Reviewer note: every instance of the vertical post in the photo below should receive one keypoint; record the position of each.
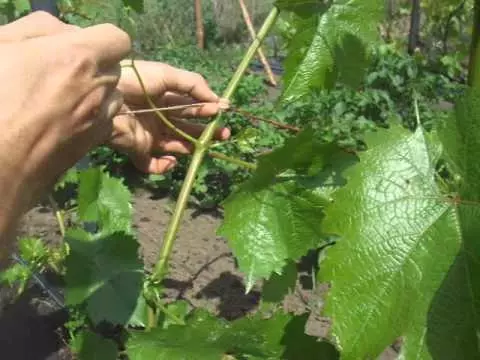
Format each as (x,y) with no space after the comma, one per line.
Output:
(414,34)
(199,24)
(49,6)
(253,35)
(474,65)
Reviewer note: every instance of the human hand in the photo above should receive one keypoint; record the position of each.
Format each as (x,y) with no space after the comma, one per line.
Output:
(144,137)
(59,102)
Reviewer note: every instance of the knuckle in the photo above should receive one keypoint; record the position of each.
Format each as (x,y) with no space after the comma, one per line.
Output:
(121,35)
(198,78)
(41,15)
(80,59)
(45,20)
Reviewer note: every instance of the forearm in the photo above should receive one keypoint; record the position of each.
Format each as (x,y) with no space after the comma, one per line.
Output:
(13,204)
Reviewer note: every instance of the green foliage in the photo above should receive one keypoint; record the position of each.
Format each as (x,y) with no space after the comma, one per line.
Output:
(275,288)
(96,347)
(397,224)
(413,236)
(13,9)
(285,198)
(104,272)
(36,258)
(389,217)
(321,49)
(137,5)
(16,275)
(206,337)
(104,200)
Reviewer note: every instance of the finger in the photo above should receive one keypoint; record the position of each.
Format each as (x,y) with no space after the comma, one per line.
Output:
(153,165)
(110,77)
(188,83)
(173,99)
(108,43)
(94,103)
(196,130)
(109,108)
(36,24)
(174,146)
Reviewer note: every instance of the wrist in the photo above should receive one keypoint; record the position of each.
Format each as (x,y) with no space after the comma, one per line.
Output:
(13,204)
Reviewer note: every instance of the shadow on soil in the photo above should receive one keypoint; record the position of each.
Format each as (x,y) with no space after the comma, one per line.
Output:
(31,328)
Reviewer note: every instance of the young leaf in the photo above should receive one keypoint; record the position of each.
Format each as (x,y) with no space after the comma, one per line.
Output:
(329,44)
(70,177)
(104,200)
(391,271)
(95,347)
(105,272)
(208,338)
(179,310)
(33,250)
(272,219)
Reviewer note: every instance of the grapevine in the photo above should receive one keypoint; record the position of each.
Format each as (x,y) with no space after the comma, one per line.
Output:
(395,226)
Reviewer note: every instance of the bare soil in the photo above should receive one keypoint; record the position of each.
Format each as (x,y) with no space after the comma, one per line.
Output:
(203,272)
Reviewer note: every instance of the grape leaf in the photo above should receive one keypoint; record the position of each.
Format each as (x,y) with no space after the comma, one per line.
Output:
(179,310)
(104,200)
(104,271)
(208,338)
(278,286)
(70,177)
(396,266)
(95,347)
(301,7)
(271,219)
(329,45)
(139,316)
(33,250)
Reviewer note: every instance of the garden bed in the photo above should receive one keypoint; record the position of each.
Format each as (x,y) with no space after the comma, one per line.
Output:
(203,272)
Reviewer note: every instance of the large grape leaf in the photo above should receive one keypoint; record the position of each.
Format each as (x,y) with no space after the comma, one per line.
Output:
(104,272)
(403,267)
(274,218)
(208,338)
(104,200)
(329,44)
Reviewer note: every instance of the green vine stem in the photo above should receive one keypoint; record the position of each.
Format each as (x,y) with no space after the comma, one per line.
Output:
(58,215)
(203,144)
(159,114)
(232,160)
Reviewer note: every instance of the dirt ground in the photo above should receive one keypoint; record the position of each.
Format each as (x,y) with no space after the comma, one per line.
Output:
(203,272)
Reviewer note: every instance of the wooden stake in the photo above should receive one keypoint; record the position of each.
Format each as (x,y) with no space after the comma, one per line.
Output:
(261,55)
(199,21)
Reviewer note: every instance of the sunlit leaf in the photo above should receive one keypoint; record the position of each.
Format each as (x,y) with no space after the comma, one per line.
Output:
(397,269)
(276,216)
(329,44)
